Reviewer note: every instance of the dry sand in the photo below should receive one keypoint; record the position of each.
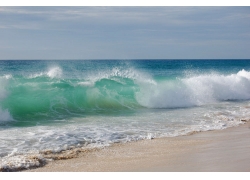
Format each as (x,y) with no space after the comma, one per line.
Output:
(221,150)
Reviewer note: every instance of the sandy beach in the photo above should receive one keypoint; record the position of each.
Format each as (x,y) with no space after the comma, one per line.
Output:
(221,151)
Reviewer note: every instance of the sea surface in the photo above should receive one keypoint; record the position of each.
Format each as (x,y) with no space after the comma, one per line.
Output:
(47,106)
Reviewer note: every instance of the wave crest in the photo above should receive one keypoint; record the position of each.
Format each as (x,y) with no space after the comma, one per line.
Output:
(196,90)
(53,72)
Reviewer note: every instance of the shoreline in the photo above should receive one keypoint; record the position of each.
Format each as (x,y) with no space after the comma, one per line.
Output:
(218,150)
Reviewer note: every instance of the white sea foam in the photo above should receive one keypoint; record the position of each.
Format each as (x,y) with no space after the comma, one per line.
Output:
(55,72)
(244,73)
(86,83)
(35,75)
(19,162)
(195,91)
(20,147)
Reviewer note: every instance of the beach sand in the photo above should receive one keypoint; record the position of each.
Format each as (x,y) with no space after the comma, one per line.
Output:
(220,150)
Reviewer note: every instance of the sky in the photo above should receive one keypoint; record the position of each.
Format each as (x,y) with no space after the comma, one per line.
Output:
(112,32)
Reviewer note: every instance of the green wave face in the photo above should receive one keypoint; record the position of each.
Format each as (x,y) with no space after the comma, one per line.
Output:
(43,98)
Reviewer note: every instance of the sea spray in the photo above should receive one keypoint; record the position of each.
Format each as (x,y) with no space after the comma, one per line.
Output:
(4,113)
(5,116)
(195,90)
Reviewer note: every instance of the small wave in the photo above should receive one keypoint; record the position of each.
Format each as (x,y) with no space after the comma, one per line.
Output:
(55,72)
(36,75)
(86,84)
(118,74)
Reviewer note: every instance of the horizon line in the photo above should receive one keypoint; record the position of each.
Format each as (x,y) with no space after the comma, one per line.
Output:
(124,59)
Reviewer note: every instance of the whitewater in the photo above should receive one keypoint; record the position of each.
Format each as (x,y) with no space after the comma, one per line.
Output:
(48,107)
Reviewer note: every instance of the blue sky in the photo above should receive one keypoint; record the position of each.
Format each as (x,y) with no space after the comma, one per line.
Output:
(124,32)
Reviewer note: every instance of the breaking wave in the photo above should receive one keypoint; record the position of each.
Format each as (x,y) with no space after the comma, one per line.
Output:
(49,96)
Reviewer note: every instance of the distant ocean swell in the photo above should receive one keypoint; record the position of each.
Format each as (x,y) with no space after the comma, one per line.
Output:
(49,96)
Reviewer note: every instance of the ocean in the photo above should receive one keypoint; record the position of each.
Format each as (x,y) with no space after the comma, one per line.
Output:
(48,107)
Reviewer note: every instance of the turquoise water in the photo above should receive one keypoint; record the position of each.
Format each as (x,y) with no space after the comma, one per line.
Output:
(55,105)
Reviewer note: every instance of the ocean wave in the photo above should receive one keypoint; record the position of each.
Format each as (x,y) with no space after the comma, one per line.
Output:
(114,90)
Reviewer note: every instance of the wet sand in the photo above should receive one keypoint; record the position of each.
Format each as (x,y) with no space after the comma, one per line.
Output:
(222,150)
